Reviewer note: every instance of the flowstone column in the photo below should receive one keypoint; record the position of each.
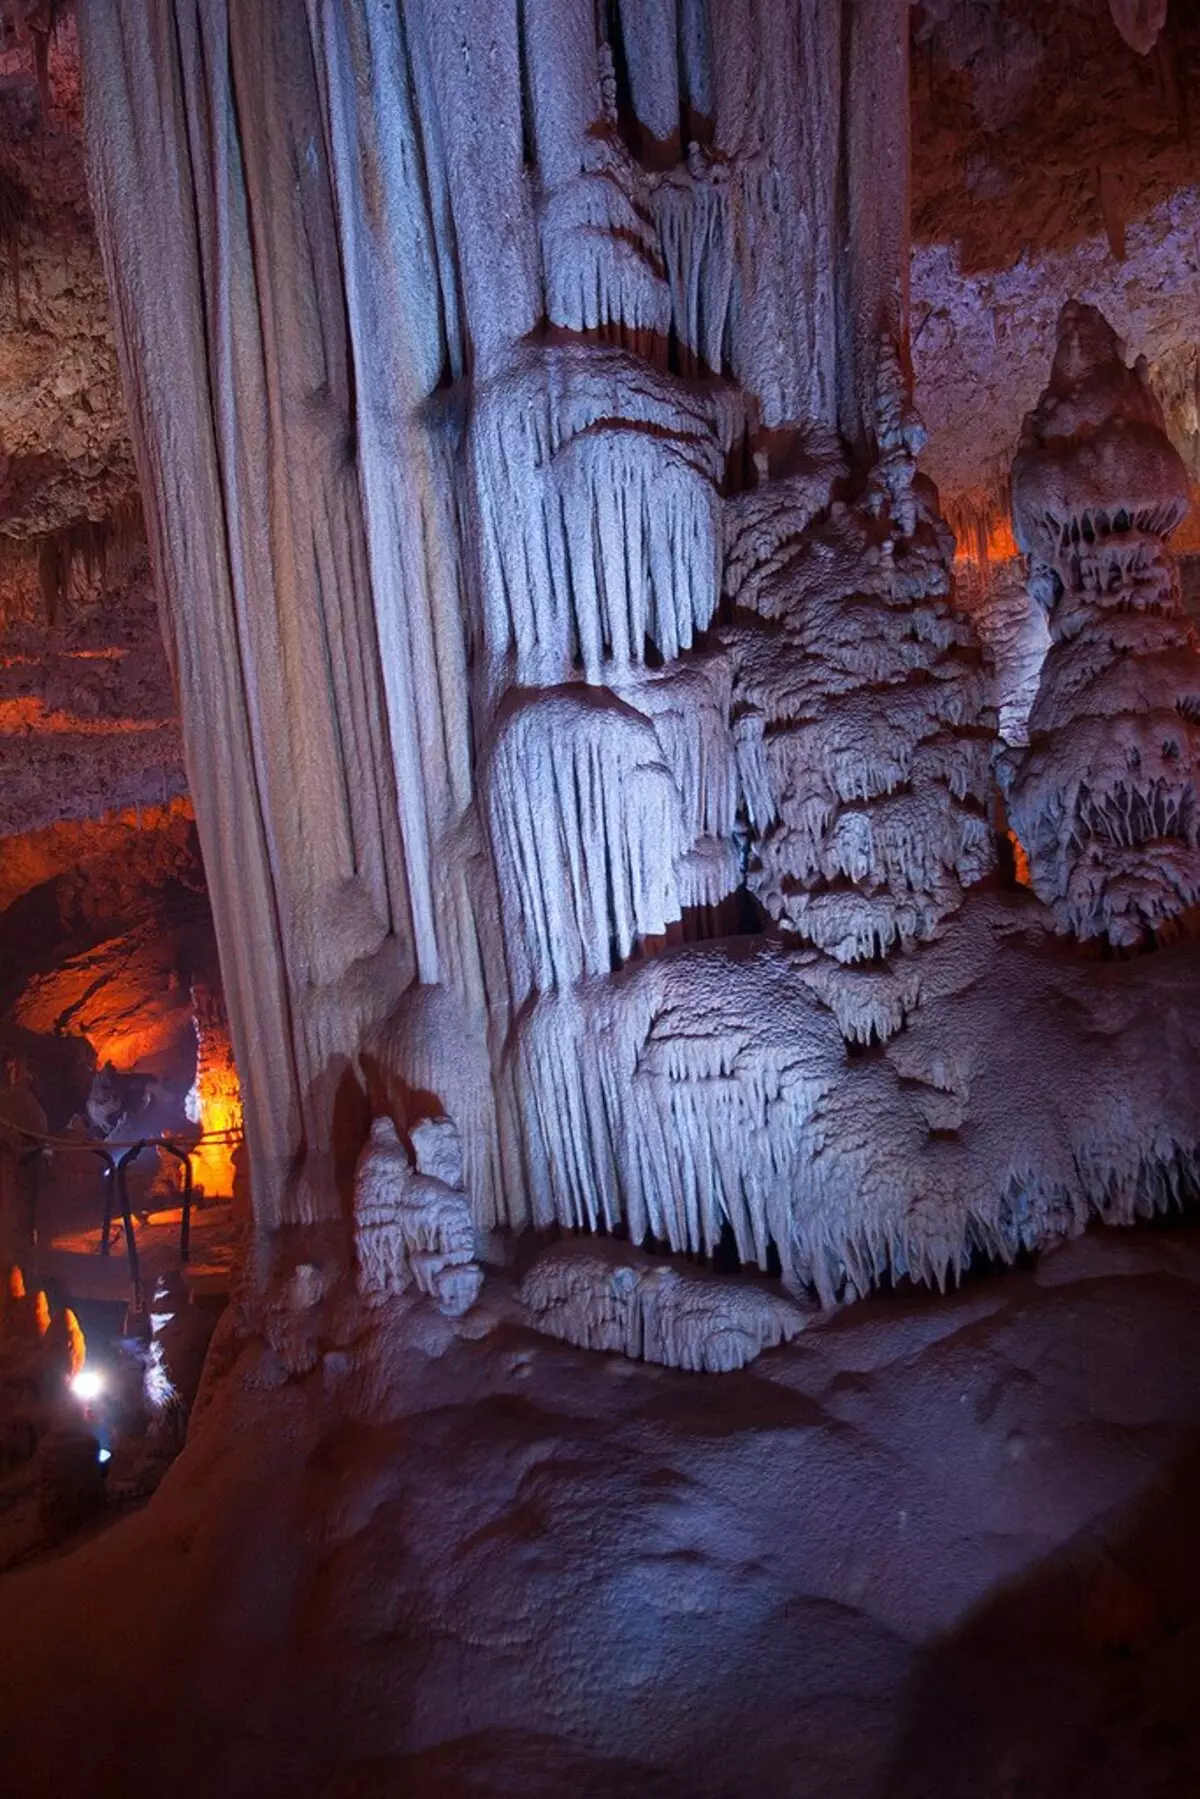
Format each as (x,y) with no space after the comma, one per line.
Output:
(215,216)
(1106,799)
(453,331)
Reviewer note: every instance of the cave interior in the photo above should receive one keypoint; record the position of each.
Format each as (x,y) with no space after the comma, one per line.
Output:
(600,898)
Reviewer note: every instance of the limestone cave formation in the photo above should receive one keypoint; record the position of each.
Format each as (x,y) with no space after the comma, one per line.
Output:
(599,898)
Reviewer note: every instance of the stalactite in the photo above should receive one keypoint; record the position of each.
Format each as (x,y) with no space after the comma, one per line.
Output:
(88,545)
(596,484)
(677,1096)
(608,1297)
(709,1089)
(690,703)
(980,518)
(1105,800)
(585,831)
(604,269)
(1139,22)
(696,209)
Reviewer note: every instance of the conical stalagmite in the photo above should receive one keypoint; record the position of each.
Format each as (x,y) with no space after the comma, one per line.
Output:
(1106,799)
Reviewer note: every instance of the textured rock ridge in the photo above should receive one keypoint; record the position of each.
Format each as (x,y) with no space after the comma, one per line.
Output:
(609,1297)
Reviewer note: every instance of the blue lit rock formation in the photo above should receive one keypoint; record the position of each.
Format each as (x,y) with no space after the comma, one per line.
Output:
(585,741)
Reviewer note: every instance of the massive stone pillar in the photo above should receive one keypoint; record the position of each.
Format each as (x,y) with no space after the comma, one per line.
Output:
(215,214)
(450,330)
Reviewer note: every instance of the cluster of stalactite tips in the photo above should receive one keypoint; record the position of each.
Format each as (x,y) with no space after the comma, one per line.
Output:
(662,747)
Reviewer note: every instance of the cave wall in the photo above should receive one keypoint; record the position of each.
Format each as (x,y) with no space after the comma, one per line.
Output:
(1050,160)
(88,717)
(103,913)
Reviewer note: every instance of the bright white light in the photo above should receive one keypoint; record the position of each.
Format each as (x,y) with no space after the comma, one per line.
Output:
(105,1455)
(87,1384)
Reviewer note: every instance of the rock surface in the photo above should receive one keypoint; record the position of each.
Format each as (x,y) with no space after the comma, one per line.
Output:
(933,1548)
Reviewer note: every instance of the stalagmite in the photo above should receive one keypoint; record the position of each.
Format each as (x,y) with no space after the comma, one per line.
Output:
(415,1225)
(429,1058)
(1011,626)
(875,754)
(1106,800)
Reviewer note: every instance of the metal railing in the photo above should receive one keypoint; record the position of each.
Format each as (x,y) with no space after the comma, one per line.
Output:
(116,1185)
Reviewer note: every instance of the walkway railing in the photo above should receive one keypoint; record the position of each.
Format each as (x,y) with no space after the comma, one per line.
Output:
(116,1184)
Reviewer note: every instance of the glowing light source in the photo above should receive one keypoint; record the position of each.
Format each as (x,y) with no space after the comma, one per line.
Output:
(215,1100)
(993,542)
(104,1455)
(87,1385)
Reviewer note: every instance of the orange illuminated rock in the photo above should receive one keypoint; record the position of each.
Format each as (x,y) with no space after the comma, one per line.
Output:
(65,1342)
(131,846)
(217,1096)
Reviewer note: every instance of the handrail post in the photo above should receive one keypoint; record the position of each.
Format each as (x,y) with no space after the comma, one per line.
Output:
(135,1278)
(30,1162)
(185,1220)
(110,1187)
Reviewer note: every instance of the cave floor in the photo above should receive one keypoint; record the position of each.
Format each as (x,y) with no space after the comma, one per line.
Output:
(937,1547)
